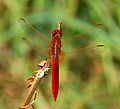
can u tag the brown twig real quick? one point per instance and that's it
(40, 74)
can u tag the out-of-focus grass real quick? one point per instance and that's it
(86, 82)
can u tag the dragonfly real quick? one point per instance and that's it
(52, 48)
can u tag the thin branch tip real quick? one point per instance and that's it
(34, 83)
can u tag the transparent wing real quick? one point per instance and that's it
(78, 37)
(100, 48)
(81, 39)
(43, 53)
(81, 43)
(90, 50)
(35, 39)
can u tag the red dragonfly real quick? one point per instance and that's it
(54, 52)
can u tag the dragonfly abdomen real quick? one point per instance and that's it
(55, 76)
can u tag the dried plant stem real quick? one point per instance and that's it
(32, 90)
(40, 74)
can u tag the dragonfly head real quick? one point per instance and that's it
(56, 33)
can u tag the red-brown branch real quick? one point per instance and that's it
(40, 74)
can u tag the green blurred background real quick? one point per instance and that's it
(86, 81)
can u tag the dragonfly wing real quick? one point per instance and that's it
(82, 37)
(35, 39)
(43, 53)
(81, 43)
(88, 50)
(30, 29)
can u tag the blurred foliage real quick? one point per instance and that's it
(86, 81)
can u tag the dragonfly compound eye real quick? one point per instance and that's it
(54, 32)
